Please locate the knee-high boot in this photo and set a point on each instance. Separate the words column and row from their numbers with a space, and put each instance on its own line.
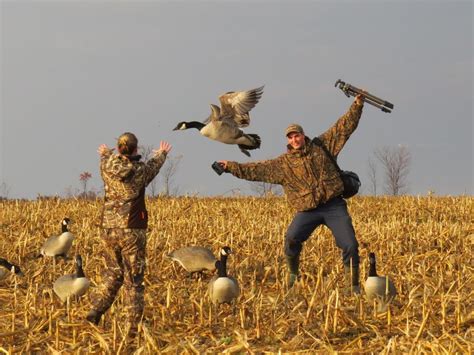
column 351, row 279
column 293, row 263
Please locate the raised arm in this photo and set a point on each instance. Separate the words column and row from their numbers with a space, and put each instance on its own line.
column 154, row 165
column 336, row 136
column 104, row 152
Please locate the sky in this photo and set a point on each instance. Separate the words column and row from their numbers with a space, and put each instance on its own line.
column 76, row 74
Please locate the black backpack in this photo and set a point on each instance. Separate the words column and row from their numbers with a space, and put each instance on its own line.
column 350, row 179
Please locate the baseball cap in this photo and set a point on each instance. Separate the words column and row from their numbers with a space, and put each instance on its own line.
column 294, row 128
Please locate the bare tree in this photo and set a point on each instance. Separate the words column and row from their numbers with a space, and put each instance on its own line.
column 396, row 165
column 146, row 152
column 167, row 173
column 372, row 173
column 264, row 189
column 84, row 178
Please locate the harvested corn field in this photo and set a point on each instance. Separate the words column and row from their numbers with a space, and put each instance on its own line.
column 424, row 244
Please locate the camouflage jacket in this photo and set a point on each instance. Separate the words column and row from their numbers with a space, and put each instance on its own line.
column 308, row 176
column 125, row 180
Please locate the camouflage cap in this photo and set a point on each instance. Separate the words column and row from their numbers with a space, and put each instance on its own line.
column 294, row 128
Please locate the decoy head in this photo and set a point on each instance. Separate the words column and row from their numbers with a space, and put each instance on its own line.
column 226, row 251
column 16, row 269
column 65, row 224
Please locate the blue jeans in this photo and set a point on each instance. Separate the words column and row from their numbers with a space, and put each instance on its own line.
column 332, row 214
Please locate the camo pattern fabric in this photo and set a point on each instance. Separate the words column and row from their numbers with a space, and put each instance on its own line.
column 125, row 179
column 124, row 252
column 308, row 176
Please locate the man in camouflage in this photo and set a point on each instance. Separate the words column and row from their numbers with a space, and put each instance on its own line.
column 313, row 188
column 124, row 223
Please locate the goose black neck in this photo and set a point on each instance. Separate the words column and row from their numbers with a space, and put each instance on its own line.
column 372, row 268
column 79, row 270
column 5, row 264
column 64, row 228
column 195, row 124
column 222, row 266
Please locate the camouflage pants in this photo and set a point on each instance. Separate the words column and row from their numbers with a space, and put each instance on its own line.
column 124, row 252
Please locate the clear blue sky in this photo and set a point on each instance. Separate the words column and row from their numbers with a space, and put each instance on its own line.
column 76, row 74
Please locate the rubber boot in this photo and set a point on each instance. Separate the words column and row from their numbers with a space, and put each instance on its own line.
column 293, row 263
column 351, row 280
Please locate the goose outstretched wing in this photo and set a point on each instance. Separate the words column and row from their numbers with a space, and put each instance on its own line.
column 237, row 105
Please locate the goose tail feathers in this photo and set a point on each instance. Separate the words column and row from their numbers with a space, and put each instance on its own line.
column 254, row 143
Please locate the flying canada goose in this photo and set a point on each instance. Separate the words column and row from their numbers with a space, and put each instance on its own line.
column 72, row 285
column 223, row 288
column 58, row 245
column 7, row 267
column 223, row 123
column 378, row 288
column 194, row 259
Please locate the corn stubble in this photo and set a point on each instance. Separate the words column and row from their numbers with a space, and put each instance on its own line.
column 424, row 244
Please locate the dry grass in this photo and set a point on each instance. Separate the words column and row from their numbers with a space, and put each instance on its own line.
column 424, row 244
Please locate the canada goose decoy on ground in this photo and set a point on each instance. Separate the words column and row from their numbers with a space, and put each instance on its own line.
column 72, row 285
column 7, row 267
column 194, row 259
column 378, row 288
column 223, row 288
column 224, row 123
column 58, row 245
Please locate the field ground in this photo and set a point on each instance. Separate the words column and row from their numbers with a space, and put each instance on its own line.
column 425, row 244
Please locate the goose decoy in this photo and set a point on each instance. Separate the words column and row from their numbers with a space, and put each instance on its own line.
column 223, row 288
column 7, row 267
column 378, row 288
column 72, row 285
column 58, row 245
column 194, row 259
column 224, row 123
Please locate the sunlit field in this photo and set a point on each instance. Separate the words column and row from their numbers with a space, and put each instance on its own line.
column 424, row 244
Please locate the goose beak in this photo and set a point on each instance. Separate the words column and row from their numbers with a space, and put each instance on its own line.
column 177, row 128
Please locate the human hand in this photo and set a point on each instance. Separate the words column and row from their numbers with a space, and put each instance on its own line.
column 359, row 99
column 103, row 150
column 223, row 163
column 164, row 147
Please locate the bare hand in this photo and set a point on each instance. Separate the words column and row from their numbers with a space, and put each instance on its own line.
column 359, row 99
column 103, row 150
column 164, row 147
column 223, row 163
